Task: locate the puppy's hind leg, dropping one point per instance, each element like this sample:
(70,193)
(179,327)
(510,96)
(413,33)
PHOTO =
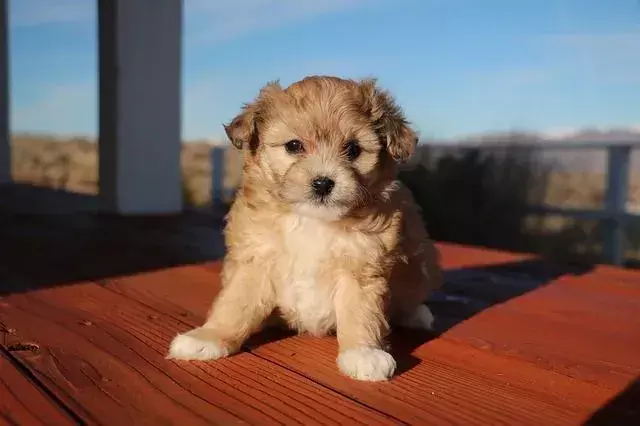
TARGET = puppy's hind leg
(244,302)
(419,318)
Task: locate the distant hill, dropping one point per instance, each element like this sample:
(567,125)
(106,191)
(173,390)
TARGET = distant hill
(585,159)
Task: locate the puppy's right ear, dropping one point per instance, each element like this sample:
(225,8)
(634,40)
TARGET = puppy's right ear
(242,131)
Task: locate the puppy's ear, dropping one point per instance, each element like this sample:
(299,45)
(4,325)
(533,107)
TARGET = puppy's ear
(242,131)
(389,121)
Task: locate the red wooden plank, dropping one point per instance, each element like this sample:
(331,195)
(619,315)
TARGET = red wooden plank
(455,256)
(22,402)
(454,379)
(452,387)
(566,328)
(103,354)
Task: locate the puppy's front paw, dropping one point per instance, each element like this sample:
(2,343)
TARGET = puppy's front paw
(198,344)
(367,364)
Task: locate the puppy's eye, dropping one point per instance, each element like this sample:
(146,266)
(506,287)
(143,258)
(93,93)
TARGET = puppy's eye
(294,147)
(352,150)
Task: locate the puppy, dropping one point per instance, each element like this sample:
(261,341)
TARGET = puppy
(321,233)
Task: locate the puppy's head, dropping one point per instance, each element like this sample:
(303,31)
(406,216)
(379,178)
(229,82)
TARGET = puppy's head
(322,147)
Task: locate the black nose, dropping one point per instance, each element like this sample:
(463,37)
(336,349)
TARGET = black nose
(322,186)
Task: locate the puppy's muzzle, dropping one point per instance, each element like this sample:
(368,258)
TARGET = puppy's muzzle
(322,186)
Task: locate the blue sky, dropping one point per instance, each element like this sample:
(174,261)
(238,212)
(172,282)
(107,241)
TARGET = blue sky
(456,66)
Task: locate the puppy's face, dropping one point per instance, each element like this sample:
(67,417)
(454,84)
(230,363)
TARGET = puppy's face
(324,147)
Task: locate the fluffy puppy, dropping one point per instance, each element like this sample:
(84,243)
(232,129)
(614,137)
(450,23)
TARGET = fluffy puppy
(321,234)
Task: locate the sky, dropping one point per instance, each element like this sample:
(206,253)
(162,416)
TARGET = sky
(457,67)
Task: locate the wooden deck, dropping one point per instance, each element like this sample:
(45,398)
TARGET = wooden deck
(89,304)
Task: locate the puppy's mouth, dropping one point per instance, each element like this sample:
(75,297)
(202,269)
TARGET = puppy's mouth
(319,209)
(322,200)
(324,196)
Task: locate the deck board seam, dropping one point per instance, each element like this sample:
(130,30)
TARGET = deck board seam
(106,286)
(40,385)
(248,351)
(324,386)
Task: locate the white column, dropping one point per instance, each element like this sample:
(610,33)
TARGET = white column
(5,138)
(140,118)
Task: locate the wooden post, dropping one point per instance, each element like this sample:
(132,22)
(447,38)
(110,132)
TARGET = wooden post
(616,203)
(140,118)
(5,134)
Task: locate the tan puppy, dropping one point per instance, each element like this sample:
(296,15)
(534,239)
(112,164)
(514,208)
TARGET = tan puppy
(321,234)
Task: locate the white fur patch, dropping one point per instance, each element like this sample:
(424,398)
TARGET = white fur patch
(307,242)
(187,347)
(421,318)
(325,213)
(367,364)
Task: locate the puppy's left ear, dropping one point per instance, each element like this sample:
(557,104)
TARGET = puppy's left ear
(389,121)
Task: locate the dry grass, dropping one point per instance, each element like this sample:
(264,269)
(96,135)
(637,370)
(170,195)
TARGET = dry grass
(483,197)
(461,213)
(72,164)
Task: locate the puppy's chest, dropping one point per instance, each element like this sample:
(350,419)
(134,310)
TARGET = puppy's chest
(306,291)
(308,244)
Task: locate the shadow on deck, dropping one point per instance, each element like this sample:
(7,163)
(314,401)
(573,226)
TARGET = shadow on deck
(624,409)
(49,249)
(52,237)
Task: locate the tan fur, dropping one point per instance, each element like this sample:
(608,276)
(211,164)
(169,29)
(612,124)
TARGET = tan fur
(352,265)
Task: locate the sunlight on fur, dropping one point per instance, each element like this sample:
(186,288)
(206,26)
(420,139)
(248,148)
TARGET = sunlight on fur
(321,232)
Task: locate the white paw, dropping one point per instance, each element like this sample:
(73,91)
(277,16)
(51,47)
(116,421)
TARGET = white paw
(421,318)
(367,364)
(190,346)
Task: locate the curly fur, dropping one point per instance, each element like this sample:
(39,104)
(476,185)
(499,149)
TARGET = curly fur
(352,263)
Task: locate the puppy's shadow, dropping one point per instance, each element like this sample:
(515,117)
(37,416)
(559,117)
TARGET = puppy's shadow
(268,335)
(469,291)
(466,293)
(404,342)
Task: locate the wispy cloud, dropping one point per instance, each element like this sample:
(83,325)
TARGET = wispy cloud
(210,21)
(612,57)
(601,43)
(60,107)
(207,21)
(32,13)
(204,101)
(513,77)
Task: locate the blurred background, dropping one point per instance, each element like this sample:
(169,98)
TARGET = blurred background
(518,103)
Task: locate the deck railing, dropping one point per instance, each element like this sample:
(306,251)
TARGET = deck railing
(614,213)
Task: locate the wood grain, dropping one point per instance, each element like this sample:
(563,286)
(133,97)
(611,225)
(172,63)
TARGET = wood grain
(553,350)
(460,377)
(563,328)
(450,387)
(22,402)
(185,292)
(104,354)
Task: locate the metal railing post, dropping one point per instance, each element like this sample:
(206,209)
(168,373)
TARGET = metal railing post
(217,174)
(616,203)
